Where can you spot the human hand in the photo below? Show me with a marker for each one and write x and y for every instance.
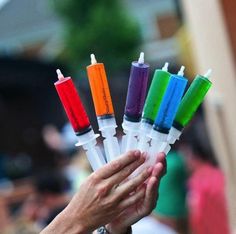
(103, 196)
(145, 205)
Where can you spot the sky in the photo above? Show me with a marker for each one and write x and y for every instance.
(3, 2)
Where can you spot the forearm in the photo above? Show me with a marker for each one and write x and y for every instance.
(65, 222)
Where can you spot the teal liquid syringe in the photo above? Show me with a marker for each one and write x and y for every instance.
(167, 113)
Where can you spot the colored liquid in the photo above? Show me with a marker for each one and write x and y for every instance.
(191, 101)
(170, 103)
(100, 89)
(72, 104)
(136, 91)
(155, 94)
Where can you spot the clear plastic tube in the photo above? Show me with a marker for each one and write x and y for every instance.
(94, 154)
(108, 130)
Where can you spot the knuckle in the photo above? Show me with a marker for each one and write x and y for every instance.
(144, 175)
(128, 171)
(133, 186)
(102, 191)
(115, 165)
(112, 201)
(94, 176)
(131, 154)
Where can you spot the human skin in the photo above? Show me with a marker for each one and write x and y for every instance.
(105, 198)
(145, 205)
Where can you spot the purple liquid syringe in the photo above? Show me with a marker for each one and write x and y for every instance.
(134, 103)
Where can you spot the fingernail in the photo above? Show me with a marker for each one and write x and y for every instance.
(149, 169)
(145, 155)
(137, 153)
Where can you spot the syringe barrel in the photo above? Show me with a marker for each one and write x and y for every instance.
(107, 126)
(191, 101)
(94, 155)
(173, 135)
(100, 89)
(158, 139)
(136, 91)
(170, 103)
(73, 106)
(112, 148)
(165, 148)
(143, 144)
(107, 122)
(129, 140)
(143, 138)
(153, 151)
(156, 92)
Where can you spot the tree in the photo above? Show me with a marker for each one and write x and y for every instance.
(101, 27)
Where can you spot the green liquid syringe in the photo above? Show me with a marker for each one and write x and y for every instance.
(188, 106)
(156, 92)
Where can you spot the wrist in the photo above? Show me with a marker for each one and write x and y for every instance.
(65, 223)
(75, 224)
(113, 229)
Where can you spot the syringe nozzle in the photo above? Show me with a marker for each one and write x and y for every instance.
(208, 73)
(181, 71)
(141, 58)
(59, 74)
(165, 67)
(93, 59)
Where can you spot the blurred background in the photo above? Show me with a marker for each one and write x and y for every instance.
(40, 169)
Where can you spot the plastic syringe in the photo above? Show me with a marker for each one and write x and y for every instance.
(103, 107)
(152, 104)
(188, 106)
(167, 112)
(134, 103)
(79, 120)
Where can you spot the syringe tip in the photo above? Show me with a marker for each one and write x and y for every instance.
(93, 59)
(165, 67)
(208, 73)
(59, 74)
(141, 58)
(181, 71)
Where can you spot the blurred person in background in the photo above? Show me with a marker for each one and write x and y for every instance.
(171, 209)
(206, 184)
(74, 163)
(170, 214)
(62, 141)
(51, 189)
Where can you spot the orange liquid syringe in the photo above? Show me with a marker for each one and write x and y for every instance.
(103, 107)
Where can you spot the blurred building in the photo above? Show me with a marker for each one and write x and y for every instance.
(38, 31)
(29, 40)
(211, 26)
(29, 28)
(159, 22)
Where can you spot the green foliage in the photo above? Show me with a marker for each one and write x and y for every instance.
(100, 27)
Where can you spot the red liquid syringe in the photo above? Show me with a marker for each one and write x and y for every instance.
(79, 120)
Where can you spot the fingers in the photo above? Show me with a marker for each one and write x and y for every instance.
(126, 171)
(161, 157)
(130, 185)
(158, 170)
(151, 195)
(131, 200)
(118, 164)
